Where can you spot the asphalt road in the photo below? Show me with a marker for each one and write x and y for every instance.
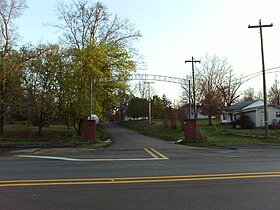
(138, 172)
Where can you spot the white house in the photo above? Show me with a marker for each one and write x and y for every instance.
(255, 110)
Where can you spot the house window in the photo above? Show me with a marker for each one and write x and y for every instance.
(224, 116)
(277, 114)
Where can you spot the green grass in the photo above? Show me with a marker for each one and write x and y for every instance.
(19, 133)
(157, 129)
(207, 136)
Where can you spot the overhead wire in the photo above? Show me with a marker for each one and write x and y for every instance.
(256, 74)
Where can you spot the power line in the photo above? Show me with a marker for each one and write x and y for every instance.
(257, 75)
(260, 72)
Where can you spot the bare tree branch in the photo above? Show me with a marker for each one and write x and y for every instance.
(217, 85)
(85, 23)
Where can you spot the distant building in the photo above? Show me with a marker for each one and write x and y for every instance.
(253, 109)
(184, 112)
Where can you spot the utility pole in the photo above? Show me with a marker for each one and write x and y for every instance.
(194, 102)
(150, 105)
(260, 26)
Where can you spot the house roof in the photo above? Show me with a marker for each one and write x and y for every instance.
(247, 106)
(240, 105)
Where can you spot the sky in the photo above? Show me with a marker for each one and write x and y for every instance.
(174, 31)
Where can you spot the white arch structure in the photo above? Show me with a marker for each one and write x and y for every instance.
(160, 78)
(145, 77)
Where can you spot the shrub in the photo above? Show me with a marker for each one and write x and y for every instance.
(244, 122)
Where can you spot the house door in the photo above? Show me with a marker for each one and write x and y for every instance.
(262, 119)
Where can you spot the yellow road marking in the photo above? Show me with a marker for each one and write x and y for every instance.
(152, 154)
(126, 180)
(155, 154)
(141, 177)
(158, 153)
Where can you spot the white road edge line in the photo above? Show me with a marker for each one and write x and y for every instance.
(88, 159)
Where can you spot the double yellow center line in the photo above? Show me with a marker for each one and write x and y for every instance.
(155, 154)
(130, 180)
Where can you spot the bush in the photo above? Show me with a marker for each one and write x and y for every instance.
(244, 122)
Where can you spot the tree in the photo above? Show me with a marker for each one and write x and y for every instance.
(66, 88)
(259, 95)
(215, 86)
(158, 107)
(9, 11)
(186, 95)
(85, 23)
(143, 90)
(228, 84)
(40, 82)
(274, 93)
(101, 47)
(101, 61)
(137, 107)
(249, 94)
(167, 109)
(124, 98)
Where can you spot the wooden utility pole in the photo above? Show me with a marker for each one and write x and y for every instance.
(260, 26)
(194, 102)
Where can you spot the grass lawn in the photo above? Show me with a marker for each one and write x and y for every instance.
(208, 136)
(18, 133)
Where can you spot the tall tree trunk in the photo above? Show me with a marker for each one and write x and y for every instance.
(40, 130)
(41, 123)
(209, 119)
(80, 128)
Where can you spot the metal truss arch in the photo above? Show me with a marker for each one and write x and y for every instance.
(143, 77)
(161, 78)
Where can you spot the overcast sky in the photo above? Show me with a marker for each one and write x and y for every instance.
(175, 30)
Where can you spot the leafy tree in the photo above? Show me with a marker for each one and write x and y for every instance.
(101, 48)
(40, 84)
(137, 107)
(167, 109)
(101, 61)
(167, 103)
(66, 88)
(158, 107)
(9, 11)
